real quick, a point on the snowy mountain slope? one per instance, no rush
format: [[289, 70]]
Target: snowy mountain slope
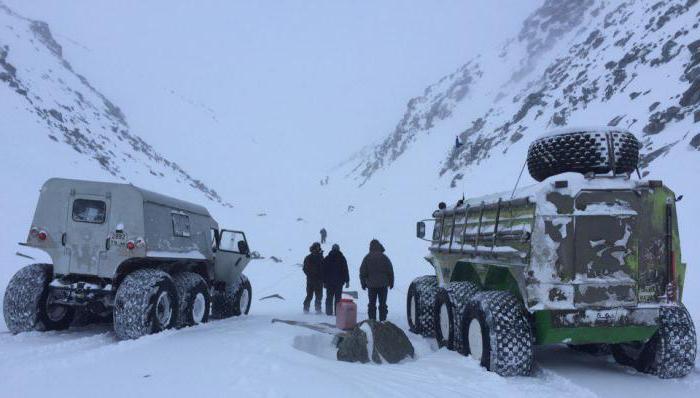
[[282, 216], [70, 110], [632, 64]]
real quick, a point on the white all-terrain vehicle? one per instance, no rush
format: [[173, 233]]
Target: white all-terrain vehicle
[[151, 261]]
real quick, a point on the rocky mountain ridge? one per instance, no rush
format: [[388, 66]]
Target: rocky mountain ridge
[[633, 64]]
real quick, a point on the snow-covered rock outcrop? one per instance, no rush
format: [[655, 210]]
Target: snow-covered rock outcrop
[[39, 85]]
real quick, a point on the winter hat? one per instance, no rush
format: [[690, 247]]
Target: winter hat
[[335, 247], [375, 246], [315, 247]]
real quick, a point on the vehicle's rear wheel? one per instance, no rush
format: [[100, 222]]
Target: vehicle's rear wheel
[[194, 300], [583, 151], [670, 353], [234, 300], [146, 302], [26, 306], [498, 334], [450, 302], [420, 302]]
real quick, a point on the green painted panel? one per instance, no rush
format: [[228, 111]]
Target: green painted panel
[[546, 334]]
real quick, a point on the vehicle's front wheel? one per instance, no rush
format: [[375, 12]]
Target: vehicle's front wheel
[[234, 300], [497, 333], [26, 306], [194, 300], [670, 353], [243, 297], [146, 302], [420, 301]]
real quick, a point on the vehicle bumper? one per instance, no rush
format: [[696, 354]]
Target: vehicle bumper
[[610, 325]]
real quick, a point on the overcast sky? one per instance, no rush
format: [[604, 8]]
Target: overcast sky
[[328, 76]]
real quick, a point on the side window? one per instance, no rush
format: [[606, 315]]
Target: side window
[[181, 225], [232, 241], [89, 211], [437, 230]]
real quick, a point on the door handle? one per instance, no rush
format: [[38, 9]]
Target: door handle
[[63, 239], [107, 244]]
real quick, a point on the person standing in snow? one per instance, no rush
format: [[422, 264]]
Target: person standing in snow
[[314, 282], [335, 274], [324, 234], [377, 275]]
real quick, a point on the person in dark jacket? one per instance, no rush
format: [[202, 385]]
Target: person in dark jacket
[[324, 234], [335, 274], [314, 281], [377, 275]]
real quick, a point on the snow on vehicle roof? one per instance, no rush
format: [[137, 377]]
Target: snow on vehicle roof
[[578, 129], [154, 197], [575, 183], [148, 196]]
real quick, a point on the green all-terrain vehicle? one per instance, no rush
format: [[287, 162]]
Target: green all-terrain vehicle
[[589, 257]]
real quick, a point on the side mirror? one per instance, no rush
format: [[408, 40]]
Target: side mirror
[[243, 247], [420, 229]]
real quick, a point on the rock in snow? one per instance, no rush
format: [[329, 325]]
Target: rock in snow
[[386, 342]]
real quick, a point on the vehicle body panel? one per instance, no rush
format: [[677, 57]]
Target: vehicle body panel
[[163, 231], [585, 255]]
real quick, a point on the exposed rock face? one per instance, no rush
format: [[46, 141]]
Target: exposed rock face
[[436, 103], [632, 64], [74, 112]]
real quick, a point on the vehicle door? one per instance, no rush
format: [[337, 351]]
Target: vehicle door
[[232, 256], [86, 232]]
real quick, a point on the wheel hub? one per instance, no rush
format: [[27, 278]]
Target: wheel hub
[[198, 307], [164, 310], [413, 311], [56, 312], [243, 303], [444, 322], [476, 342]]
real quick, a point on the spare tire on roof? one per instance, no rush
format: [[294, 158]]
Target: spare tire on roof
[[583, 151]]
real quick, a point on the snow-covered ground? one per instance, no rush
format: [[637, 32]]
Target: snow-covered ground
[[281, 208], [250, 356]]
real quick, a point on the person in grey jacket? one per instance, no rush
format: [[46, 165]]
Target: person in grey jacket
[[377, 275]]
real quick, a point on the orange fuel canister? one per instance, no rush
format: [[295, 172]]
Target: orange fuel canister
[[345, 314]]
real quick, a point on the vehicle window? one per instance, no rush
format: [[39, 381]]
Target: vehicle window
[[90, 211], [212, 238], [231, 241], [437, 230], [181, 225]]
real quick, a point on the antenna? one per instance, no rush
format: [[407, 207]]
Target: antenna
[[518, 182]]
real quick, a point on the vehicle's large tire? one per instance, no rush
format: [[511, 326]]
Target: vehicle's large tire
[[243, 297], [25, 307], [231, 301], [671, 351], [583, 152], [193, 298], [498, 334], [420, 301], [450, 302], [146, 302]]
